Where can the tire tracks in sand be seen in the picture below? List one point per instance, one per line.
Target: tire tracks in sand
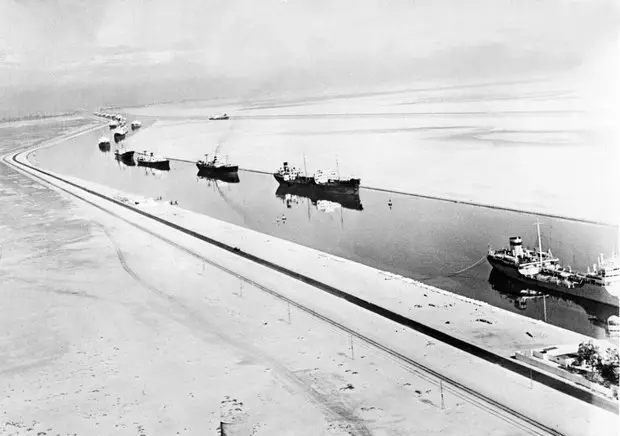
(334, 407)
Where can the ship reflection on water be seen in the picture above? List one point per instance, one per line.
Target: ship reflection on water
(513, 290)
(223, 177)
(321, 199)
(520, 294)
(155, 172)
(104, 147)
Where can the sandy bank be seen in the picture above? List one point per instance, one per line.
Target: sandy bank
(505, 333)
(460, 365)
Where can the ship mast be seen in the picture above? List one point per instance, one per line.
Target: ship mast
(305, 169)
(337, 169)
(539, 243)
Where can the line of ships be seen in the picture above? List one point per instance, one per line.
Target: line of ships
(535, 268)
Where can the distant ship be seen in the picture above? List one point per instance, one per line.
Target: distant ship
(542, 271)
(119, 134)
(348, 200)
(216, 165)
(219, 117)
(147, 159)
(135, 125)
(321, 180)
(125, 155)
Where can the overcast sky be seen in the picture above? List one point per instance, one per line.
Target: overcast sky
(272, 44)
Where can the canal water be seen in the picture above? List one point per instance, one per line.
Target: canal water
(427, 240)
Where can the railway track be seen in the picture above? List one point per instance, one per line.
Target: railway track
(456, 388)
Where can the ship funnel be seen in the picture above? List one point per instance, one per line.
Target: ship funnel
(516, 245)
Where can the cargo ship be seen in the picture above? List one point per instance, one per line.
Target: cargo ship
(146, 159)
(542, 271)
(219, 117)
(215, 165)
(321, 180)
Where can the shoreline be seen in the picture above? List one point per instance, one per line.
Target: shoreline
(399, 288)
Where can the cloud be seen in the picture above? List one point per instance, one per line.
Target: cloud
(295, 44)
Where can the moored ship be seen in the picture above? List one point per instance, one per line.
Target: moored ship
(119, 134)
(152, 160)
(322, 180)
(215, 165)
(219, 117)
(135, 125)
(113, 125)
(542, 271)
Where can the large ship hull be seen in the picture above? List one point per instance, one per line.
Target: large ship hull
(344, 186)
(225, 169)
(160, 165)
(585, 291)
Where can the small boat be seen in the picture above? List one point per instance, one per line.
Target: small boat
(113, 124)
(104, 140)
(219, 117)
(147, 159)
(135, 125)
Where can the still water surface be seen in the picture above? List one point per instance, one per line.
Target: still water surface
(428, 240)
